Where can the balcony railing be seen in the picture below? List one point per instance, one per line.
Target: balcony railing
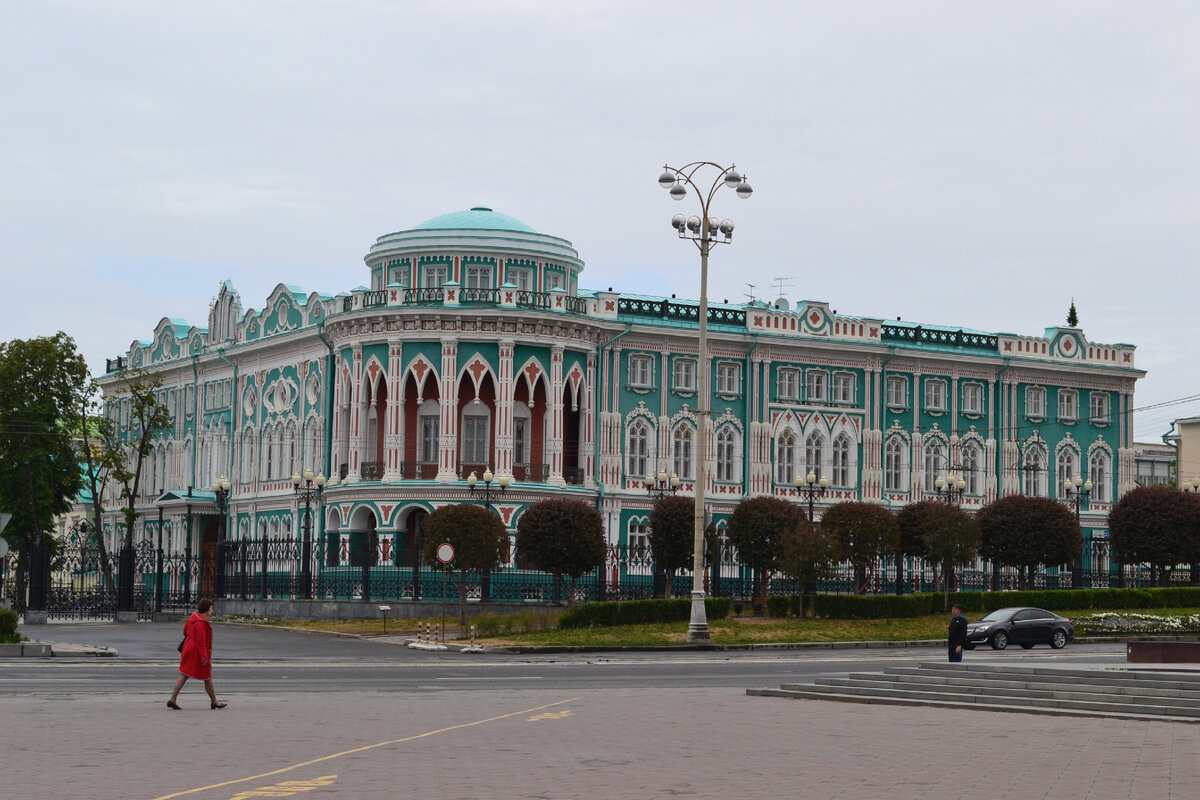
(919, 335)
(372, 470)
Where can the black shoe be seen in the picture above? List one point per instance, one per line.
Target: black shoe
(171, 705)
(218, 705)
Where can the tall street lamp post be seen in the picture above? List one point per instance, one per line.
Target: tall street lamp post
(488, 493)
(220, 489)
(810, 488)
(1076, 492)
(950, 488)
(309, 489)
(659, 486)
(705, 231)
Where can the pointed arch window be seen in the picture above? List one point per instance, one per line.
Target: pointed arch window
(682, 451)
(1098, 472)
(895, 465)
(934, 464)
(814, 453)
(785, 457)
(727, 450)
(972, 463)
(637, 449)
(843, 461)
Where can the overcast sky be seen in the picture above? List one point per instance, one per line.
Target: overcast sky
(961, 163)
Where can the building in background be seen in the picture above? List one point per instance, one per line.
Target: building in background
(1185, 437)
(473, 348)
(1154, 464)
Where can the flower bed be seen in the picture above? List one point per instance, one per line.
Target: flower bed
(1136, 625)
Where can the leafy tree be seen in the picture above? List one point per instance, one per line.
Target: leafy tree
(1025, 532)
(97, 432)
(1156, 525)
(864, 532)
(39, 463)
(673, 534)
(127, 448)
(562, 537)
(807, 554)
(948, 535)
(757, 529)
(479, 539)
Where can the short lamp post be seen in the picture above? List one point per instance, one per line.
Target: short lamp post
(220, 489)
(810, 488)
(309, 489)
(705, 231)
(950, 488)
(1194, 486)
(486, 490)
(1076, 491)
(660, 485)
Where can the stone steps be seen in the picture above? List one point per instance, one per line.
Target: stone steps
(1035, 690)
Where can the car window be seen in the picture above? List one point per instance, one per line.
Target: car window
(1023, 615)
(997, 616)
(1037, 613)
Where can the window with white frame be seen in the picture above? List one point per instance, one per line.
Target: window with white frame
(478, 277)
(427, 432)
(1098, 471)
(1068, 466)
(788, 384)
(522, 278)
(814, 454)
(971, 398)
(843, 461)
(637, 462)
(434, 275)
(1035, 402)
(817, 385)
(1068, 405)
(522, 420)
(727, 453)
(639, 539)
(475, 436)
(843, 387)
(785, 457)
(897, 392)
(683, 375)
(400, 276)
(554, 280)
(682, 450)
(641, 371)
(934, 463)
(729, 378)
(895, 465)
(1034, 473)
(1100, 407)
(935, 394)
(972, 463)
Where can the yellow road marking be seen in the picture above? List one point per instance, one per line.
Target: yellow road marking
(286, 788)
(364, 748)
(549, 715)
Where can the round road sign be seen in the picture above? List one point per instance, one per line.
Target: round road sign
(445, 552)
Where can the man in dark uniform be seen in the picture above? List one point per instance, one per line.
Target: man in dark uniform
(958, 634)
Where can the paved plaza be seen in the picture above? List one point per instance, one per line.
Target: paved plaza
(636, 743)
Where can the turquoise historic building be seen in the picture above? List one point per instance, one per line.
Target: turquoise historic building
(474, 348)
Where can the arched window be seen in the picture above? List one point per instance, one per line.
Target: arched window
(1068, 468)
(1033, 472)
(682, 451)
(637, 450)
(934, 463)
(522, 421)
(972, 468)
(814, 453)
(843, 461)
(785, 457)
(427, 432)
(895, 465)
(727, 454)
(475, 434)
(1098, 474)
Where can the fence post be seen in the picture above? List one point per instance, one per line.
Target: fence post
(262, 579)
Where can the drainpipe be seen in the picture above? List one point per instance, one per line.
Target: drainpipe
(196, 406)
(746, 442)
(328, 431)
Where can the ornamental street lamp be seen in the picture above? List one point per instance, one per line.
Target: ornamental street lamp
(810, 488)
(486, 491)
(950, 489)
(1194, 486)
(659, 486)
(220, 489)
(704, 231)
(308, 488)
(1076, 492)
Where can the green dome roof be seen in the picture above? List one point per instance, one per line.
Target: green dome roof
(479, 218)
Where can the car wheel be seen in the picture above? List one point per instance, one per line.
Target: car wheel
(1058, 639)
(968, 647)
(1026, 647)
(999, 640)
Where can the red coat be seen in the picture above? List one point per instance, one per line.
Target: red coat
(196, 659)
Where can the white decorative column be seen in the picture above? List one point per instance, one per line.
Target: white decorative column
(555, 443)
(587, 446)
(448, 432)
(356, 415)
(504, 410)
(393, 438)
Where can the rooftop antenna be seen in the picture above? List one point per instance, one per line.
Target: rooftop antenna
(750, 294)
(781, 287)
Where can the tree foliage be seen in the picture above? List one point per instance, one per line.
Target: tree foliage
(864, 532)
(673, 534)
(39, 461)
(757, 528)
(1025, 532)
(808, 553)
(480, 542)
(948, 536)
(1072, 316)
(1156, 525)
(563, 537)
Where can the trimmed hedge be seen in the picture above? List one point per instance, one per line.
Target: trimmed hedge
(8, 627)
(639, 612)
(836, 606)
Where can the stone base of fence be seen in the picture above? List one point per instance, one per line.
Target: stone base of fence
(30, 617)
(1163, 651)
(357, 609)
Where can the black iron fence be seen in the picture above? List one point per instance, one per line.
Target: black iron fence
(366, 567)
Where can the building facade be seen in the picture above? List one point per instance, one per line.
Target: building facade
(473, 348)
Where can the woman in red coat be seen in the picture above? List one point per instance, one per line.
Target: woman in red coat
(195, 659)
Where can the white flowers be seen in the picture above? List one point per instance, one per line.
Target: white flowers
(1136, 623)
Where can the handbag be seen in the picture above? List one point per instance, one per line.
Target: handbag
(180, 648)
